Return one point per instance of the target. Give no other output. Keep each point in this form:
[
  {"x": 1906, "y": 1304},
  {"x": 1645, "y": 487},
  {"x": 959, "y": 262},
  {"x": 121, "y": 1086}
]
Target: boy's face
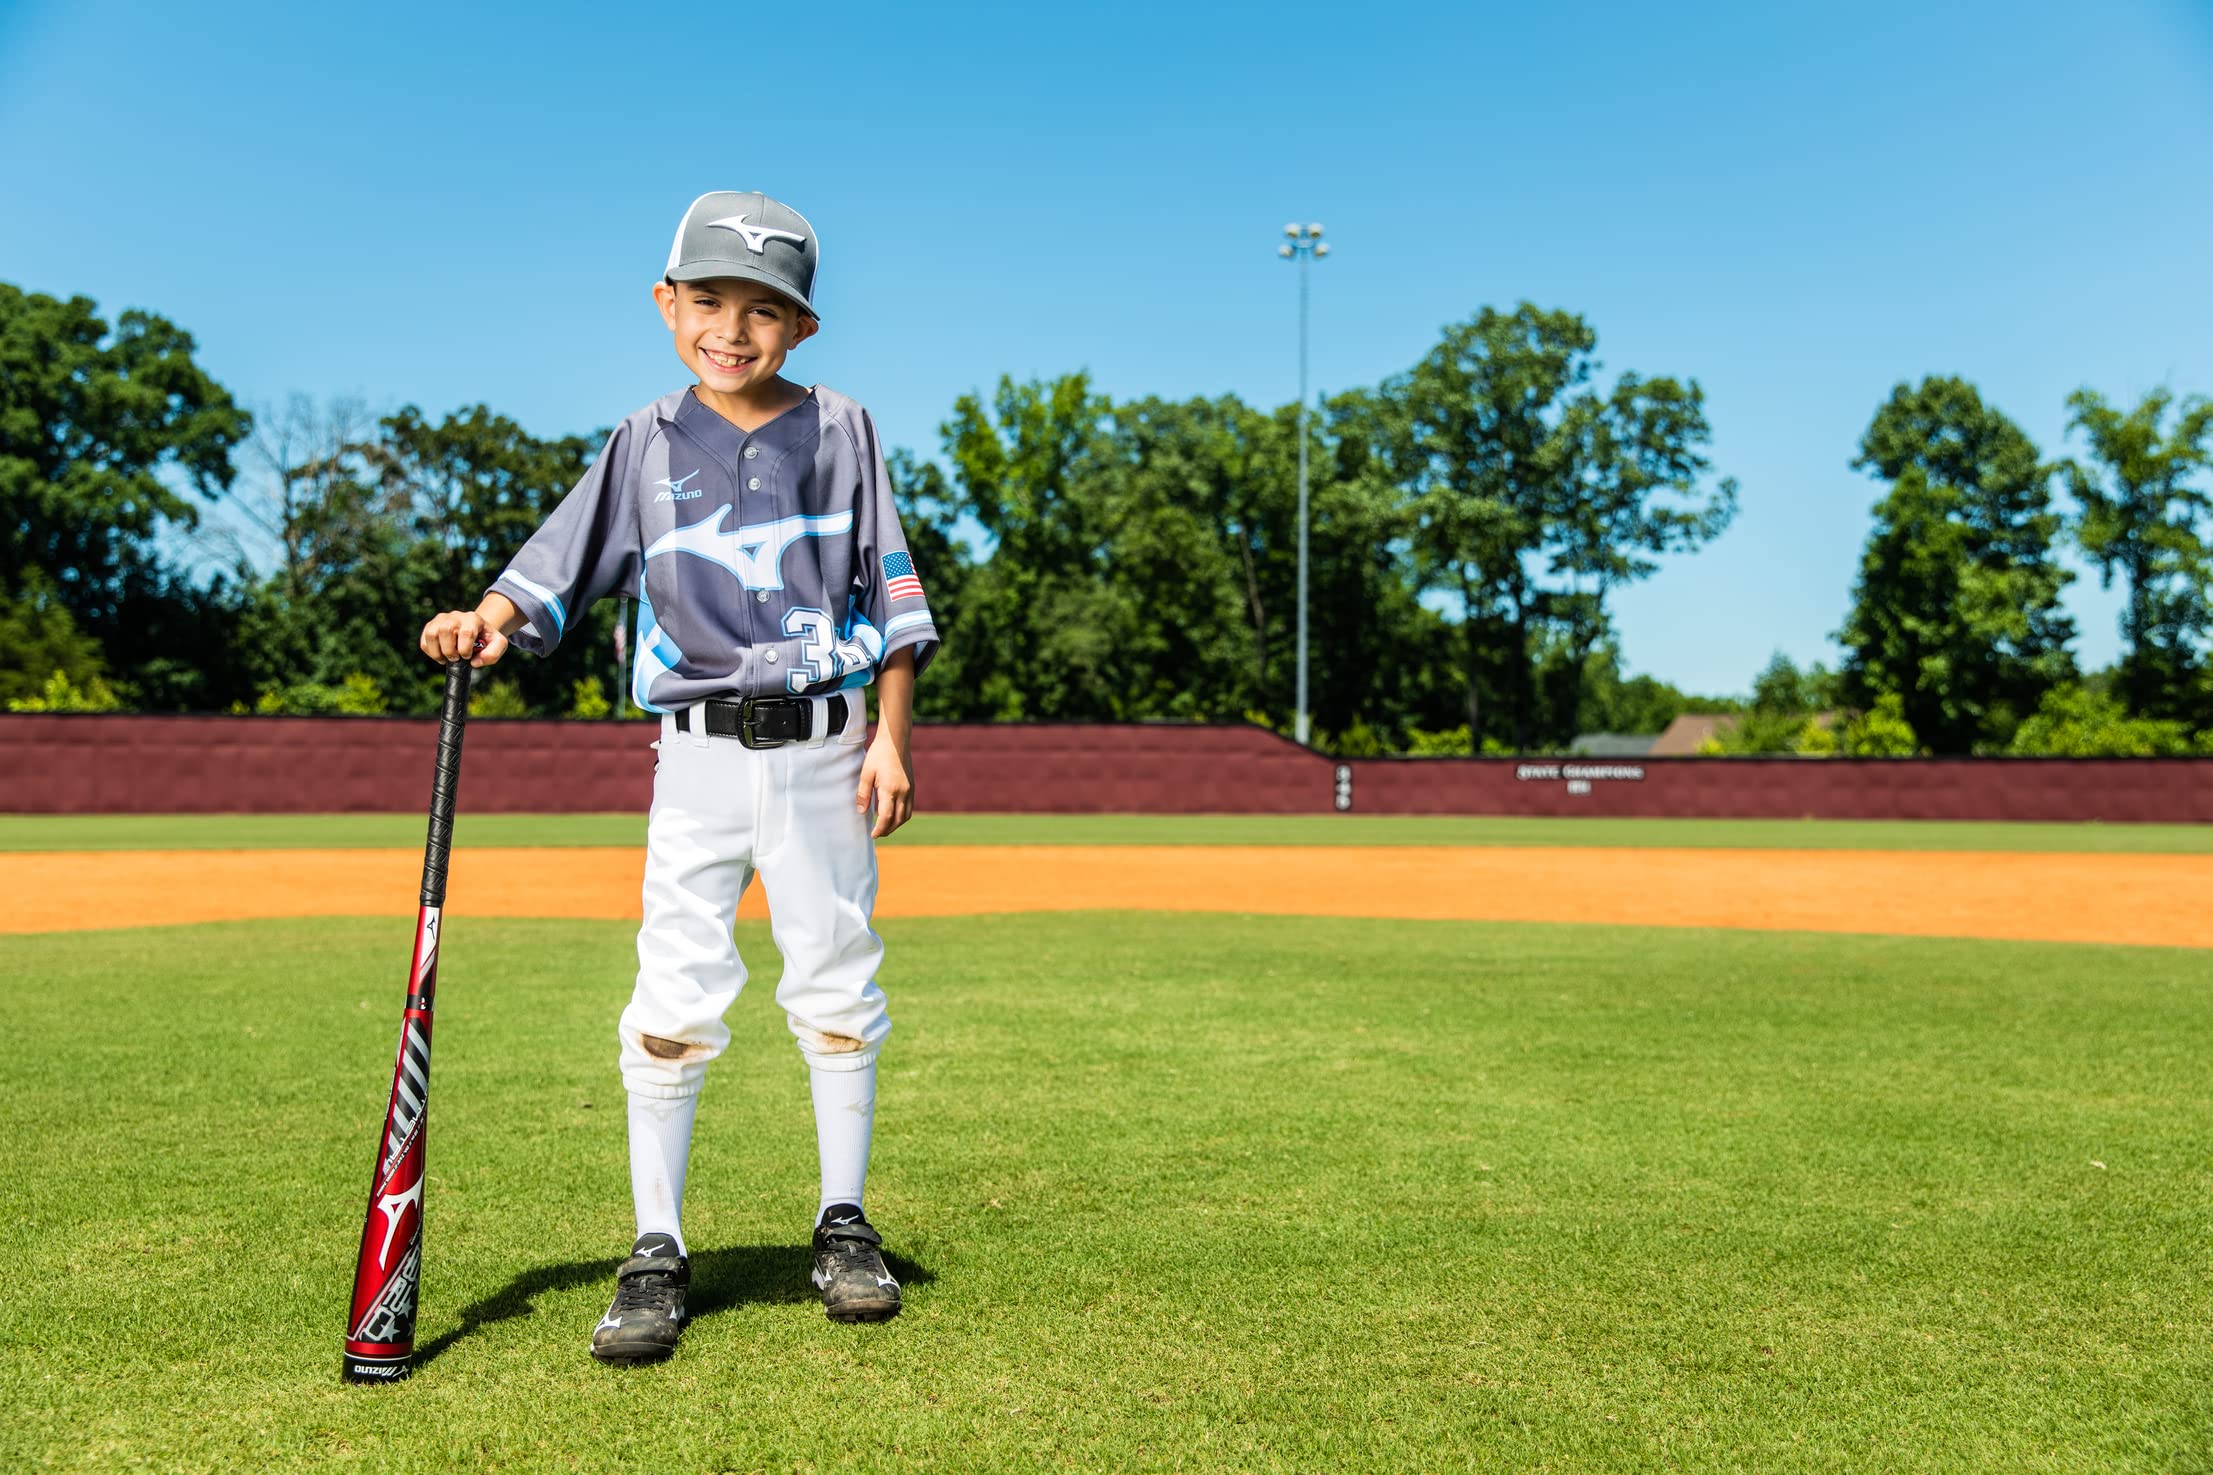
[{"x": 733, "y": 334}]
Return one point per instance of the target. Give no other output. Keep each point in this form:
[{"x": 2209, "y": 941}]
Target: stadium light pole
[{"x": 1305, "y": 243}]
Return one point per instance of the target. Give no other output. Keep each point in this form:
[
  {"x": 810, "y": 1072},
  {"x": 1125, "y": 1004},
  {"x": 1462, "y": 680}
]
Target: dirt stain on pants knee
[
  {"x": 828, "y": 1044},
  {"x": 661, "y": 1049}
]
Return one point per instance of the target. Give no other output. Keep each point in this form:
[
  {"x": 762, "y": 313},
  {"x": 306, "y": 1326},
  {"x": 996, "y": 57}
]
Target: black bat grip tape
[{"x": 447, "y": 781}]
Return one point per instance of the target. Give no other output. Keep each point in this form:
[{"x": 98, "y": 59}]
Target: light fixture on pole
[{"x": 1304, "y": 244}]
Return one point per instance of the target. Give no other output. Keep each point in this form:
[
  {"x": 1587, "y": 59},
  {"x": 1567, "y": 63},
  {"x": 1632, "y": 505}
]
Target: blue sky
[{"x": 1796, "y": 205}]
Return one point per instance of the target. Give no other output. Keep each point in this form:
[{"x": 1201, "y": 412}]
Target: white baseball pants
[{"x": 722, "y": 811}]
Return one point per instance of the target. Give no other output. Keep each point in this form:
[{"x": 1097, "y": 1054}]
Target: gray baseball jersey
[{"x": 765, "y": 563}]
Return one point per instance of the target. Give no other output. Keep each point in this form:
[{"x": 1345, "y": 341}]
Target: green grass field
[
  {"x": 1169, "y": 1193},
  {"x": 348, "y": 831}
]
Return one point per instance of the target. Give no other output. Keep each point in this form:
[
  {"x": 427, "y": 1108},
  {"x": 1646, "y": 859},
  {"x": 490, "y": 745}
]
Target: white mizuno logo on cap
[{"x": 756, "y": 236}]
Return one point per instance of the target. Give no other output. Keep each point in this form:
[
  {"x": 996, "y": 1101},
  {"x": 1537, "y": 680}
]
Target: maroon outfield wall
[
  {"x": 2169, "y": 790},
  {"x": 153, "y": 765},
  {"x": 83, "y": 764}
]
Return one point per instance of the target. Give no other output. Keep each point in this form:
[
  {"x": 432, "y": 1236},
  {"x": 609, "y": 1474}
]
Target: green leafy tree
[
  {"x": 499, "y": 697},
  {"x": 1356, "y": 741},
  {"x": 1956, "y": 609},
  {"x": 110, "y": 435},
  {"x": 39, "y": 638},
  {"x": 1042, "y": 636},
  {"x": 1612, "y": 702},
  {"x": 358, "y": 695},
  {"x": 929, "y": 512},
  {"x": 1187, "y": 502},
  {"x": 1379, "y": 653},
  {"x": 353, "y": 591},
  {"x": 379, "y": 526},
  {"x": 177, "y": 644},
  {"x": 476, "y": 486},
  {"x": 1636, "y": 490},
  {"x": 1515, "y": 471},
  {"x": 1881, "y": 732},
  {"x": 588, "y": 701},
  {"x": 1783, "y": 687},
  {"x": 1204, "y": 502},
  {"x": 1473, "y": 434},
  {"x": 1142, "y": 563},
  {"x": 1816, "y": 739},
  {"x": 1759, "y": 732},
  {"x": 300, "y": 466},
  {"x": 2143, "y": 520},
  {"x": 60, "y": 694},
  {"x": 2078, "y": 721},
  {"x": 1787, "y": 712}
]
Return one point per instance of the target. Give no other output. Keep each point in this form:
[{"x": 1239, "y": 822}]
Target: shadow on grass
[{"x": 736, "y": 1275}]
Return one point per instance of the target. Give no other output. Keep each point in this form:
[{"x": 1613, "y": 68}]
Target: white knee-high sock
[
  {"x": 660, "y": 1145},
  {"x": 845, "y": 1116}
]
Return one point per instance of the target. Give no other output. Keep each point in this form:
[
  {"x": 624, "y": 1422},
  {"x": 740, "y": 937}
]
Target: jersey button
[
  {"x": 769, "y": 654},
  {"x": 751, "y": 452},
  {"x": 753, "y": 484},
  {"x": 760, "y": 596}
]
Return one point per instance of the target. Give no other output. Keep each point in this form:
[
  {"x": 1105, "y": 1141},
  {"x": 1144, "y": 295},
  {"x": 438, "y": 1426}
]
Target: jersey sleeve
[
  {"x": 586, "y": 548},
  {"x": 890, "y": 596}
]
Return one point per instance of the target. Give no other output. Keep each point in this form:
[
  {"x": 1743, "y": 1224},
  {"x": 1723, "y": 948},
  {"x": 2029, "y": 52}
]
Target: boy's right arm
[
  {"x": 480, "y": 634},
  {"x": 586, "y": 547}
]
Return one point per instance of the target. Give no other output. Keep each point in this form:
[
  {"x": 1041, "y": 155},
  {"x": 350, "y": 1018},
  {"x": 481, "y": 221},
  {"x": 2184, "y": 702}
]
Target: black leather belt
[{"x": 766, "y": 722}]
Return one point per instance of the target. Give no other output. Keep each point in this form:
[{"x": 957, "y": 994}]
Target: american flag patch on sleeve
[{"x": 899, "y": 578}]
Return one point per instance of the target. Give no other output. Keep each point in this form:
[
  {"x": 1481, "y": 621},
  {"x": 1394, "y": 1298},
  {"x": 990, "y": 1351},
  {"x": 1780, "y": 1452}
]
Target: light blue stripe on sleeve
[
  {"x": 647, "y": 665},
  {"x": 906, "y": 621},
  {"x": 547, "y": 597}
]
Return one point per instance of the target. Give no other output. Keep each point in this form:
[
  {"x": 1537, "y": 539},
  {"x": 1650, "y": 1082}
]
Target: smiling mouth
[{"x": 729, "y": 363}]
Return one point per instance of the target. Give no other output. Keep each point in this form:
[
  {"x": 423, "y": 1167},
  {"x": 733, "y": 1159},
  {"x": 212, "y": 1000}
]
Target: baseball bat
[{"x": 380, "y": 1328}]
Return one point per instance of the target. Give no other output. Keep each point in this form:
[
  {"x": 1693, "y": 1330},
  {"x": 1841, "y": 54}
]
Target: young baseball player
[{"x": 753, "y": 521}]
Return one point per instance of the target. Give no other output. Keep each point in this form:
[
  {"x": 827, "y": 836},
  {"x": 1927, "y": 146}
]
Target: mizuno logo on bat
[
  {"x": 755, "y": 551},
  {"x": 426, "y": 948},
  {"x": 756, "y": 236},
  {"x": 391, "y": 1204}
]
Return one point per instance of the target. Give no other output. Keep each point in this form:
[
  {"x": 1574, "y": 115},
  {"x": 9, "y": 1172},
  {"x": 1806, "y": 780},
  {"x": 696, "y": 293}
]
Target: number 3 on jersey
[{"x": 823, "y": 656}]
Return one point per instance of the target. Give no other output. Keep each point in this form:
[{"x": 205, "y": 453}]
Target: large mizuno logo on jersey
[
  {"x": 756, "y": 236},
  {"x": 754, "y": 551}
]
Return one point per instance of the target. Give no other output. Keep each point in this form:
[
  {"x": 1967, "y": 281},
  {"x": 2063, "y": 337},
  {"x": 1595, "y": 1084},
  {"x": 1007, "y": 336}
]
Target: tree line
[{"x": 1472, "y": 518}]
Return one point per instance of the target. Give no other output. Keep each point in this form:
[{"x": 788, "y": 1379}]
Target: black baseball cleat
[
  {"x": 649, "y": 1303},
  {"x": 849, "y": 1268}
]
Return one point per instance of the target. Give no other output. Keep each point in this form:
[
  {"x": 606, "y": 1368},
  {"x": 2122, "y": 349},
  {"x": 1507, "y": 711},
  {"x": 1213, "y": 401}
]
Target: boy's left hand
[{"x": 889, "y": 776}]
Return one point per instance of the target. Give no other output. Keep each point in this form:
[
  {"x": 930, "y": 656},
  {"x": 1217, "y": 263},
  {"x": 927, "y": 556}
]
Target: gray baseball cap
[{"x": 745, "y": 234}]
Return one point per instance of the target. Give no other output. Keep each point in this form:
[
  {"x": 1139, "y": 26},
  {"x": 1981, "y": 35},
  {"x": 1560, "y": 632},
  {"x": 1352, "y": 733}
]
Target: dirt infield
[{"x": 2151, "y": 899}]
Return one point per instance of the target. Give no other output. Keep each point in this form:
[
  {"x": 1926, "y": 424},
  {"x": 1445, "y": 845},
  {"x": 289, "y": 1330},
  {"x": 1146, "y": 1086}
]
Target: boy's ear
[
  {"x": 808, "y": 326},
  {"x": 664, "y": 297}
]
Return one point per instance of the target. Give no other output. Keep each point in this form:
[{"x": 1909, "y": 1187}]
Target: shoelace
[
  {"x": 647, "y": 1293},
  {"x": 851, "y": 1252}
]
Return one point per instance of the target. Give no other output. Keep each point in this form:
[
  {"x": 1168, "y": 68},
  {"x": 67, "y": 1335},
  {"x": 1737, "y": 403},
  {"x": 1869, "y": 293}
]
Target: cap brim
[{"x": 711, "y": 271}]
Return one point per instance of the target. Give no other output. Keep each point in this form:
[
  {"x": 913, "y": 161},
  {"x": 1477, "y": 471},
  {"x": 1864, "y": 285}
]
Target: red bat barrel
[{"x": 380, "y": 1327}]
